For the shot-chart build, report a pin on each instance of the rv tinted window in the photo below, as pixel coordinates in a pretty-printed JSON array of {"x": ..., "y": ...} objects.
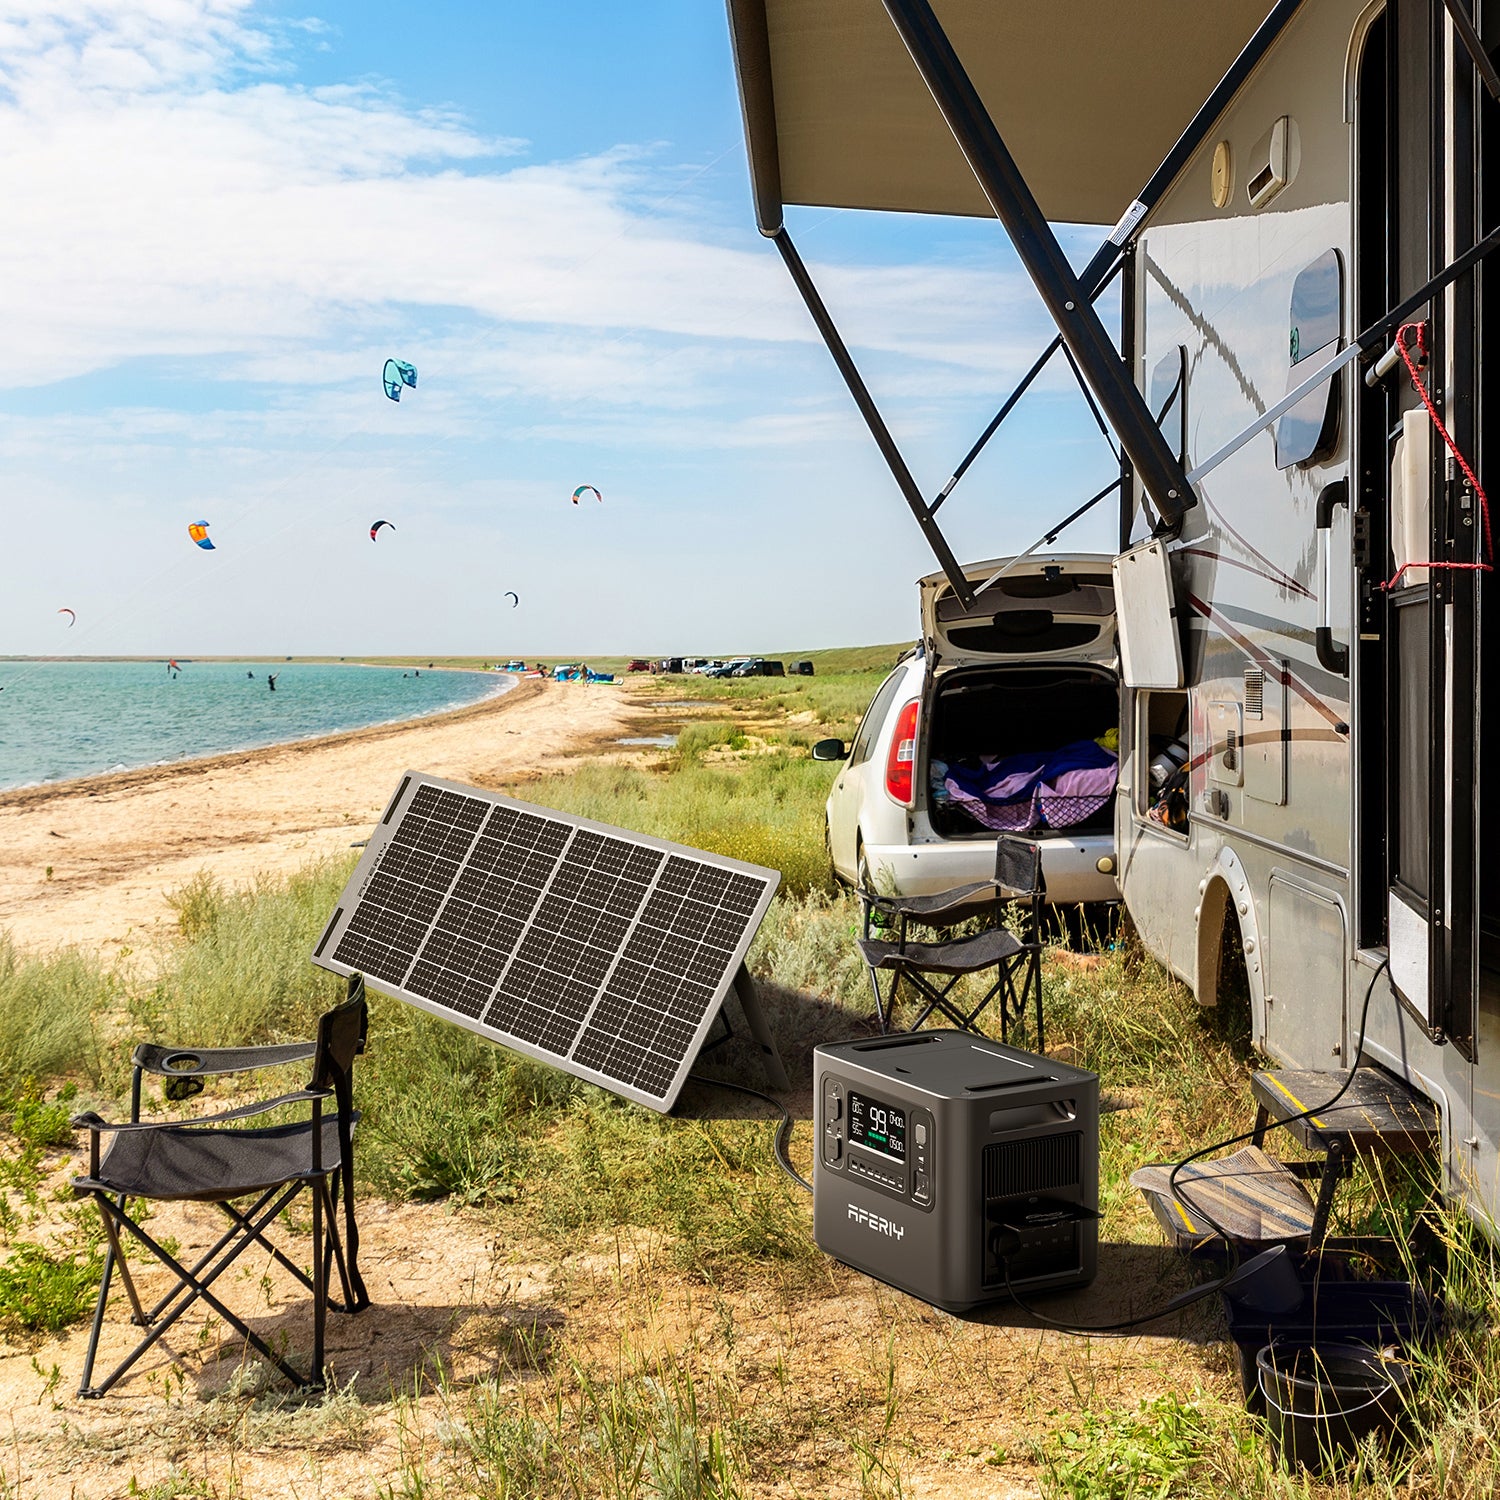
[
  {"x": 1169, "y": 400},
  {"x": 1317, "y": 312},
  {"x": 1309, "y": 432}
]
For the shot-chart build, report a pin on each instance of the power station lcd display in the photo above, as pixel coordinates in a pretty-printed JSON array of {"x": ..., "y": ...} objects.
[
  {"x": 876, "y": 1126},
  {"x": 603, "y": 952}
]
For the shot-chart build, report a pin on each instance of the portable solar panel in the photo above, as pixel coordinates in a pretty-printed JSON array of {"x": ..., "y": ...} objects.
[{"x": 603, "y": 952}]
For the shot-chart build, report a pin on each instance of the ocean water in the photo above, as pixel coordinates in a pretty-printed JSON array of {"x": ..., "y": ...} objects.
[{"x": 62, "y": 719}]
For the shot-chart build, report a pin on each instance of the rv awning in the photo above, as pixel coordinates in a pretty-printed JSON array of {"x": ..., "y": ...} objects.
[{"x": 1090, "y": 95}]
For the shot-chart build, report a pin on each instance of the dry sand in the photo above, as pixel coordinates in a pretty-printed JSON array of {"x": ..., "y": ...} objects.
[{"x": 89, "y": 862}]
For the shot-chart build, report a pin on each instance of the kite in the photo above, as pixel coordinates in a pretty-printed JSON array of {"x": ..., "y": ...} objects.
[
  {"x": 198, "y": 530},
  {"x": 396, "y": 374},
  {"x": 581, "y": 488},
  {"x": 376, "y": 527},
  {"x": 516, "y": 597},
  {"x": 72, "y": 618}
]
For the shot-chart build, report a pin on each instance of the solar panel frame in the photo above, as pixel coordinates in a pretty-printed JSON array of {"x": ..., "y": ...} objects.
[{"x": 539, "y": 929}]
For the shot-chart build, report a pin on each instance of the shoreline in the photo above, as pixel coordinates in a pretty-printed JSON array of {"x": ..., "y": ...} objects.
[
  {"x": 89, "y": 862},
  {"x": 508, "y": 682}
]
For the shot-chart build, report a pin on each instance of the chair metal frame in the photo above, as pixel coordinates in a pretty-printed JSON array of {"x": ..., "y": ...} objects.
[
  {"x": 1018, "y": 882},
  {"x": 184, "y": 1070}
]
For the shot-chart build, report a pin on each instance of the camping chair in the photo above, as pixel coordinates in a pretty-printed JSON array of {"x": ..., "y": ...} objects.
[
  {"x": 1016, "y": 890},
  {"x": 196, "y": 1160}
]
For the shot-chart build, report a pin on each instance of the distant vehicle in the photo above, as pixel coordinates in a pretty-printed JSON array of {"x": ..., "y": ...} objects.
[
  {"x": 1025, "y": 679},
  {"x": 725, "y": 668},
  {"x": 758, "y": 666},
  {"x": 670, "y": 664},
  {"x": 801, "y": 669},
  {"x": 638, "y": 664},
  {"x": 709, "y": 667}
]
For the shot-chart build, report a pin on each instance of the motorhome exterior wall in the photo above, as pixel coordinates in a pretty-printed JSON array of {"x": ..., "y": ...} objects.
[
  {"x": 1217, "y": 282},
  {"x": 1273, "y": 852}
]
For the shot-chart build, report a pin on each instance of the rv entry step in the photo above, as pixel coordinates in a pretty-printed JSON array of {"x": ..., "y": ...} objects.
[{"x": 1250, "y": 1197}]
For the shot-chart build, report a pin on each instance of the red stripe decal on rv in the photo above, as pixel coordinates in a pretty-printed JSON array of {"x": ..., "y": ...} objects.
[
  {"x": 1284, "y": 579},
  {"x": 1274, "y": 576},
  {"x": 1268, "y": 664}
]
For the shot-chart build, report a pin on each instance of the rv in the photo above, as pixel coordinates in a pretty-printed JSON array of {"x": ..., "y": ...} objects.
[{"x": 1305, "y": 200}]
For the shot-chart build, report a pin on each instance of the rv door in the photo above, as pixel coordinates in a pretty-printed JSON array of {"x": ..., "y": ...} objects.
[{"x": 1417, "y": 694}]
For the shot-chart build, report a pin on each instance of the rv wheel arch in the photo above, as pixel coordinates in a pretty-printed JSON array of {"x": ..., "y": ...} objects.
[{"x": 1229, "y": 939}]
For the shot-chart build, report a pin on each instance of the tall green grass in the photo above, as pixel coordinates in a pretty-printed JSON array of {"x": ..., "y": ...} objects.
[{"x": 53, "y": 1010}]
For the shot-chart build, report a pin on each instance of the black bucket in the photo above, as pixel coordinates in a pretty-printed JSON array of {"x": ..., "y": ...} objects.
[{"x": 1325, "y": 1399}]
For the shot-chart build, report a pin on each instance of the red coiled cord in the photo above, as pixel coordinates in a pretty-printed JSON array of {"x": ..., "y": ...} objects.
[{"x": 1414, "y": 370}]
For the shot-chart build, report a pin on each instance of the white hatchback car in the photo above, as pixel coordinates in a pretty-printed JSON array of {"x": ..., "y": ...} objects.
[{"x": 1004, "y": 717}]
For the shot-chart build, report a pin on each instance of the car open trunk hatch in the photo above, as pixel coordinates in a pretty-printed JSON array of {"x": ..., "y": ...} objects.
[{"x": 1055, "y": 608}]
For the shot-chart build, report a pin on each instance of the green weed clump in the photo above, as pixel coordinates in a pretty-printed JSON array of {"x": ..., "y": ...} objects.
[
  {"x": 51, "y": 1010},
  {"x": 44, "y": 1291}
]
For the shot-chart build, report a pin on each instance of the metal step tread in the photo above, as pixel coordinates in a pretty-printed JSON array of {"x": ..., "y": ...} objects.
[
  {"x": 1253, "y": 1198},
  {"x": 1380, "y": 1113}
]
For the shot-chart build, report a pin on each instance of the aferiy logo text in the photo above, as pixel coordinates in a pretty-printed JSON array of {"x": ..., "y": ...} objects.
[{"x": 876, "y": 1222}]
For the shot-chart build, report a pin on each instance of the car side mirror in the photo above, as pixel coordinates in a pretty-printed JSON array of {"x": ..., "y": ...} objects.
[{"x": 830, "y": 750}]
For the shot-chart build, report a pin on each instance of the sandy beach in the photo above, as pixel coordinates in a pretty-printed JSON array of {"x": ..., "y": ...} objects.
[{"x": 89, "y": 862}]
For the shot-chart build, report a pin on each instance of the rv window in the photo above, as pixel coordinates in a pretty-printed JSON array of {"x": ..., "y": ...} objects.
[
  {"x": 1309, "y": 432},
  {"x": 1169, "y": 400}
]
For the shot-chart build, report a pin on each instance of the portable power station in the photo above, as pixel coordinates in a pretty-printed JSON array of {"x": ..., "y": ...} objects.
[{"x": 946, "y": 1162}]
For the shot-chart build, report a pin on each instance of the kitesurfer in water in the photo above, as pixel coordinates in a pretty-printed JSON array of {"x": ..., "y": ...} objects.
[{"x": 271, "y": 680}]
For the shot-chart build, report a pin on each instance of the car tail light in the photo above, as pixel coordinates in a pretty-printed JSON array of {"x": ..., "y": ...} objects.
[{"x": 901, "y": 763}]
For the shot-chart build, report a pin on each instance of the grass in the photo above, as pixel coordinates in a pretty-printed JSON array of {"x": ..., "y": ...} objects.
[{"x": 749, "y": 1383}]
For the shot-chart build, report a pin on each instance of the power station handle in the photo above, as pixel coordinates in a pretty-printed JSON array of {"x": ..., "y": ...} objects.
[{"x": 1331, "y": 656}]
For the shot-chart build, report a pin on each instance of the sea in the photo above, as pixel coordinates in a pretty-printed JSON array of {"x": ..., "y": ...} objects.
[{"x": 60, "y": 719}]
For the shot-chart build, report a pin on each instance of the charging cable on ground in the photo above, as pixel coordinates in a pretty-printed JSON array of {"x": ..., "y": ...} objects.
[
  {"x": 782, "y": 1143},
  {"x": 1268, "y": 1263}
]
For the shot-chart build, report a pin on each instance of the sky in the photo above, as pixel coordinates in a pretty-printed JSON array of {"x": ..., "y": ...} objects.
[{"x": 221, "y": 217}]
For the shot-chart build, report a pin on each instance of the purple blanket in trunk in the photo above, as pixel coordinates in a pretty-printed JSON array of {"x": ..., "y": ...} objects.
[{"x": 1036, "y": 789}]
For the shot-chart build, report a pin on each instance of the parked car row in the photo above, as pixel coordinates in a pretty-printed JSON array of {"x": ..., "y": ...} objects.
[{"x": 738, "y": 666}]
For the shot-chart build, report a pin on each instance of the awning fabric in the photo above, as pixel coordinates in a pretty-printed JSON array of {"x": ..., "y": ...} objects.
[{"x": 1089, "y": 95}]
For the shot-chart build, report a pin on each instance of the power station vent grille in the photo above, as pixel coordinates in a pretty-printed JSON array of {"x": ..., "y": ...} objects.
[
  {"x": 1255, "y": 692},
  {"x": 1014, "y": 1169}
]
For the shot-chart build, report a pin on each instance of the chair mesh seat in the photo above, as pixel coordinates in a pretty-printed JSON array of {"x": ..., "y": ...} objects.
[
  {"x": 211, "y": 1166},
  {"x": 960, "y": 956}
]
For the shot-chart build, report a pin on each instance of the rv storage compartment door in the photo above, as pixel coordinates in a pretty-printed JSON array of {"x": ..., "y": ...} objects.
[{"x": 1146, "y": 607}]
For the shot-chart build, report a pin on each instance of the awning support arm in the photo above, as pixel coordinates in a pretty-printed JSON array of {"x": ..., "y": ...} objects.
[
  {"x": 873, "y": 420},
  {"x": 1061, "y": 290},
  {"x": 1047, "y": 539},
  {"x": 1022, "y": 386}
]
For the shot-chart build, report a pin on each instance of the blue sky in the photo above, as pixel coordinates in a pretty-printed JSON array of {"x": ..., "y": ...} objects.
[{"x": 222, "y": 217}]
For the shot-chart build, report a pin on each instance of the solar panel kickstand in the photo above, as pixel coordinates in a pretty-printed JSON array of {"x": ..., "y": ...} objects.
[{"x": 755, "y": 1018}]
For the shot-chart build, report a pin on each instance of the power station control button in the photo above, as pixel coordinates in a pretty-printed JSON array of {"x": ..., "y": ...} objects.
[
  {"x": 920, "y": 1132},
  {"x": 921, "y": 1187},
  {"x": 835, "y": 1106},
  {"x": 833, "y": 1148}
]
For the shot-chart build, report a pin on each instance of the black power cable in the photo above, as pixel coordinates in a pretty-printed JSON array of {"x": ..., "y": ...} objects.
[
  {"x": 1185, "y": 1299},
  {"x": 783, "y": 1130}
]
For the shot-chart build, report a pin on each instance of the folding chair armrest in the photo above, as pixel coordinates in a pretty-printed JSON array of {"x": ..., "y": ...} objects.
[
  {"x": 95, "y": 1123},
  {"x": 939, "y": 904},
  {"x": 200, "y": 1062}
]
